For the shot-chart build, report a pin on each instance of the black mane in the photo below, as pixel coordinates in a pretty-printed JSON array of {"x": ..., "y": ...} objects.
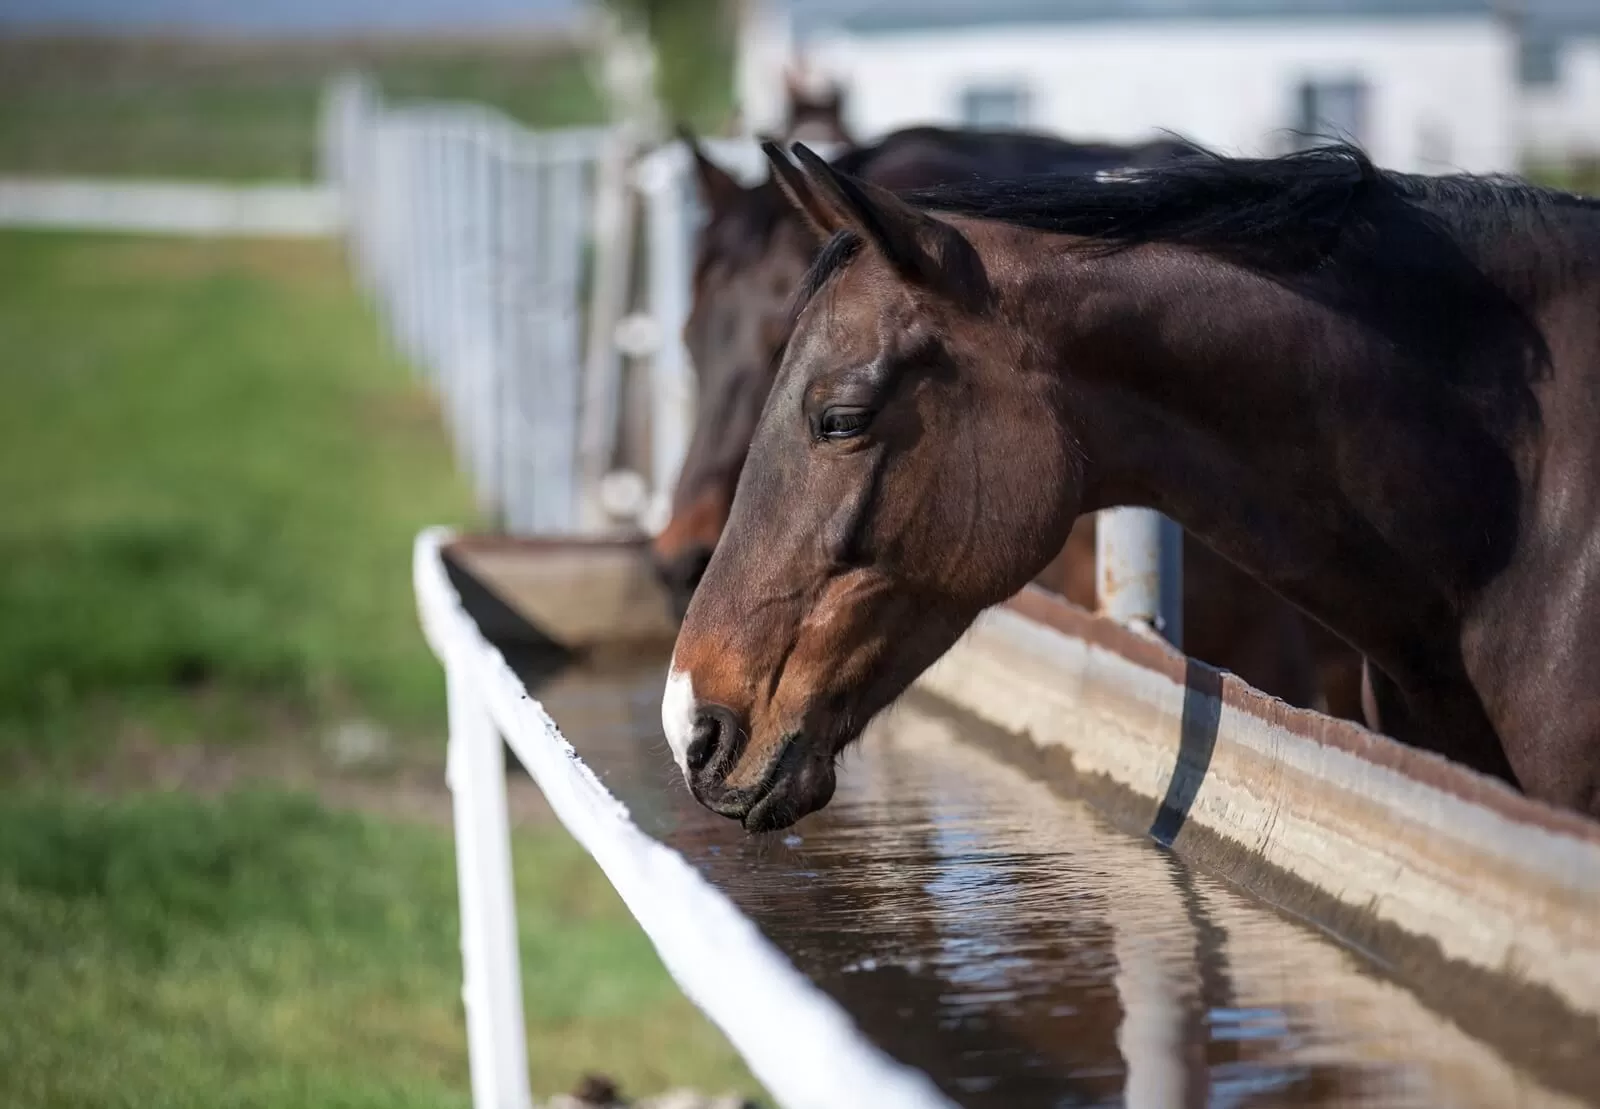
[
  {"x": 743, "y": 231},
  {"x": 1230, "y": 204},
  {"x": 834, "y": 256},
  {"x": 1273, "y": 212}
]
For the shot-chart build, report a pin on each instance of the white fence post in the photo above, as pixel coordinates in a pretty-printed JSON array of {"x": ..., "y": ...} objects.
[
  {"x": 346, "y": 157},
  {"x": 1139, "y": 570},
  {"x": 800, "y": 1043},
  {"x": 469, "y": 232},
  {"x": 492, "y": 967},
  {"x": 483, "y": 367},
  {"x": 672, "y": 388},
  {"x": 452, "y": 232},
  {"x": 614, "y": 228},
  {"x": 514, "y": 290},
  {"x": 558, "y": 370}
]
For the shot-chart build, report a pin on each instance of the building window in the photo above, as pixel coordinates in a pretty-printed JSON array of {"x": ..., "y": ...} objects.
[
  {"x": 994, "y": 106},
  {"x": 1539, "y": 61},
  {"x": 1331, "y": 110}
]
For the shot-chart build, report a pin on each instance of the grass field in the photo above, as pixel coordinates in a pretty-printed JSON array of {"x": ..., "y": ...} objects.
[
  {"x": 1581, "y": 177},
  {"x": 212, "y": 473},
  {"x": 264, "y": 951},
  {"x": 247, "y": 110}
]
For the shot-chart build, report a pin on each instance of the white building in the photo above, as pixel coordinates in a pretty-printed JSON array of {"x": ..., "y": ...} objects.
[
  {"x": 1423, "y": 85},
  {"x": 1561, "y": 80}
]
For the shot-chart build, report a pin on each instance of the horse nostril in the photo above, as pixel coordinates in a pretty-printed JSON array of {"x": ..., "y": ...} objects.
[{"x": 714, "y": 729}]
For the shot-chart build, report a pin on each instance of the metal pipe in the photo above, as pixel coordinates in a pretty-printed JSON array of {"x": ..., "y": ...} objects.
[{"x": 1139, "y": 571}]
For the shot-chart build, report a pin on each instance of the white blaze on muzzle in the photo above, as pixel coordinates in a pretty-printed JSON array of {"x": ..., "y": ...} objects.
[{"x": 677, "y": 715}]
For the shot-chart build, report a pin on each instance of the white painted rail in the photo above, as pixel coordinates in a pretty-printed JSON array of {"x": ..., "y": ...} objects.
[
  {"x": 170, "y": 207},
  {"x": 801, "y": 1045}
]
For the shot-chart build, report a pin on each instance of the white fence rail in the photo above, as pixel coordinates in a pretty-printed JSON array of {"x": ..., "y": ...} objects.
[
  {"x": 803, "y": 1047},
  {"x": 471, "y": 234},
  {"x": 169, "y": 207},
  {"x": 499, "y": 258}
]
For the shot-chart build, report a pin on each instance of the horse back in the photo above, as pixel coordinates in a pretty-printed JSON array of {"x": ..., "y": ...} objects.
[{"x": 926, "y": 157}]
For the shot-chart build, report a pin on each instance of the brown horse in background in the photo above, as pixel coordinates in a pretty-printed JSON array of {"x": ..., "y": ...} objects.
[
  {"x": 749, "y": 259},
  {"x": 814, "y": 115},
  {"x": 1375, "y": 391}
]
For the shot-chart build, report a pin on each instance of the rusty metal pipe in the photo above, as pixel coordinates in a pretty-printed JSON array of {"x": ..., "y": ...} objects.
[{"x": 1138, "y": 571}]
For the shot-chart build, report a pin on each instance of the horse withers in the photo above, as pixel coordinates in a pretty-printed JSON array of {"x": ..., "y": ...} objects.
[
  {"x": 1374, "y": 391},
  {"x": 750, "y": 256}
]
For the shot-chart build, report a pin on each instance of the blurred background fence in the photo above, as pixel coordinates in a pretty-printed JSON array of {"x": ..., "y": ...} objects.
[
  {"x": 475, "y": 235},
  {"x": 540, "y": 280}
]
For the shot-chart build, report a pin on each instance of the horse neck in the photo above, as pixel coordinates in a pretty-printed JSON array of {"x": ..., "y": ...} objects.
[{"x": 1267, "y": 423}]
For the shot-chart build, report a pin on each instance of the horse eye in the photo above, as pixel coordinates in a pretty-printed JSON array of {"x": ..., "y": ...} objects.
[{"x": 843, "y": 423}]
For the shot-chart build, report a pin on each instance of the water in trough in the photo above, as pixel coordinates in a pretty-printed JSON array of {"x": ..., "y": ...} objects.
[{"x": 1021, "y": 951}]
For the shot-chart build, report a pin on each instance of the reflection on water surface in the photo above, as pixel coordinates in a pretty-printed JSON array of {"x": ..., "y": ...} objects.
[{"x": 1025, "y": 954}]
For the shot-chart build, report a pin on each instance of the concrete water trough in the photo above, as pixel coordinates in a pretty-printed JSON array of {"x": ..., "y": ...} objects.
[{"x": 1071, "y": 867}]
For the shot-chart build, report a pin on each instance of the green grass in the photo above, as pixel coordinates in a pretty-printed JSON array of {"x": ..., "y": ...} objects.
[
  {"x": 144, "y": 106},
  {"x": 267, "y": 952},
  {"x": 694, "y": 46},
  {"x": 1579, "y": 177},
  {"x": 212, "y": 475}
]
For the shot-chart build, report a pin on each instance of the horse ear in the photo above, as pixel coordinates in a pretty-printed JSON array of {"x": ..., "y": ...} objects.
[
  {"x": 718, "y": 188},
  {"x": 818, "y": 214},
  {"x": 795, "y": 98},
  {"x": 922, "y": 250},
  {"x": 833, "y": 104}
]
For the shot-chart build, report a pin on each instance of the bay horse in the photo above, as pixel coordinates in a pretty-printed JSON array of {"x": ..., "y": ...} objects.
[
  {"x": 1377, "y": 393},
  {"x": 750, "y": 256},
  {"x": 812, "y": 114}
]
